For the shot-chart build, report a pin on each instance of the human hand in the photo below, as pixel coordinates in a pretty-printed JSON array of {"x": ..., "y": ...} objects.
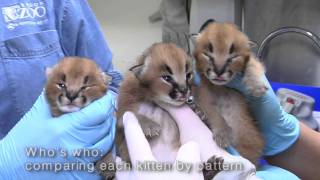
[
  {"x": 280, "y": 129},
  {"x": 140, "y": 151},
  {"x": 191, "y": 128},
  {"x": 91, "y": 129}
]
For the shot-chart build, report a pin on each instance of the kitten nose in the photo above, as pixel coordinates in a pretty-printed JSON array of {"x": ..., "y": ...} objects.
[
  {"x": 70, "y": 96},
  {"x": 218, "y": 72},
  {"x": 183, "y": 90}
]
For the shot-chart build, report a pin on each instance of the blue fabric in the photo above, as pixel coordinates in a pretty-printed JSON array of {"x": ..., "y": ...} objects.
[{"x": 35, "y": 34}]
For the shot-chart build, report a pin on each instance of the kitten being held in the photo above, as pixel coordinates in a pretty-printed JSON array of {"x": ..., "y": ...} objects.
[
  {"x": 162, "y": 74},
  {"x": 74, "y": 83},
  {"x": 221, "y": 52}
]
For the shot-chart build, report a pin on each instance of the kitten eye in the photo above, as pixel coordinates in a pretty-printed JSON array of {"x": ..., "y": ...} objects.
[
  {"x": 231, "y": 49},
  {"x": 189, "y": 76},
  {"x": 210, "y": 47},
  {"x": 61, "y": 85},
  {"x": 229, "y": 60},
  {"x": 167, "y": 78}
]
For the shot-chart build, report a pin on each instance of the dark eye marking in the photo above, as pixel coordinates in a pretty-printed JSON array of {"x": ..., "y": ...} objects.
[
  {"x": 231, "y": 50},
  {"x": 210, "y": 47},
  {"x": 168, "y": 69},
  {"x": 187, "y": 67},
  {"x": 83, "y": 88},
  {"x": 208, "y": 57},
  {"x": 63, "y": 77},
  {"x": 231, "y": 59},
  {"x": 84, "y": 99},
  {"x": 86, "y": 79}
]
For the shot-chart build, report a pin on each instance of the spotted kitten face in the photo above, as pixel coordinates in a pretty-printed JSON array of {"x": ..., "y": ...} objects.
[
  {"x": 73, "y": 84},
  {"x": 221, "y": 51},
  {"x": 167, "y": 72}
]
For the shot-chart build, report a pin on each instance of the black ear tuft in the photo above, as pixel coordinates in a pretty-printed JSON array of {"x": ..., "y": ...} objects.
[
  {"x": 209, "y": 21},
  {"x": 137, "y": 69}
]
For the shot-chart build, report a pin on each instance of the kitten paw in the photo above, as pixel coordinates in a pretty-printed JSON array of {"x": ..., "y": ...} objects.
[
  {"x": 108, "y": 174},
  {"x": 212, "y": 167},
  {"x": 255, "y": 88},
  {"x": 151, "y": 129},
  {"x": 259, "y": 90},
  {"x": 110, "y": 177}
]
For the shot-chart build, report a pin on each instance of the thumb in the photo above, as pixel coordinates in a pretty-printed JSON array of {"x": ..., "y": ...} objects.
[
  {"x": 189, "y": 153},
  {"x": 138, "y": 146},
  {"x": 189, "y": 156}
]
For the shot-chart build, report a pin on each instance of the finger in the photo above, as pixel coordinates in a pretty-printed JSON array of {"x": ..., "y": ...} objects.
[
  {"x": 96, "y": 112},
  {"x": 138, "y": 146},
  {"x": 106, "y": 143},
  {"x": 85, "y": 134},
  {"x": 189, "y": 153}
]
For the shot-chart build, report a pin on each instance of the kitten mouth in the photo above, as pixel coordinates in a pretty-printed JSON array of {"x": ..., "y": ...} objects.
[
  {"x": 220, "y": 79},
  {"x": 69, "y": 108},
  {"x": 183, "y": 98}
]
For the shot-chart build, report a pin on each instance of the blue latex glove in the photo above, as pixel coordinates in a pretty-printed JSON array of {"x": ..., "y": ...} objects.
[
  {"x": 280, "y": 129},
  {"x": 275, "y": 173},
  {"x": 92, "y": 128}
]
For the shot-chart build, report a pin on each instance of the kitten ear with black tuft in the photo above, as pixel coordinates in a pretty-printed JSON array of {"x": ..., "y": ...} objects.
[
  {"x": 194, "y": 37},
  {"x": 137, "y": 70},
  {"x": 209, "y": 21},
  {"x": 143, "y": 60}
]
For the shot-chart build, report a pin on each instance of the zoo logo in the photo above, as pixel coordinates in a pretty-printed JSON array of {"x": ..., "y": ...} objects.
[{"x": 23, "y": 12}]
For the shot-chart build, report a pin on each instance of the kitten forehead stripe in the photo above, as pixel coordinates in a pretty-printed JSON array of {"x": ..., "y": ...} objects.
[
  {"x": 63, "y": 77},
  {"x": 168, "y": 69}
]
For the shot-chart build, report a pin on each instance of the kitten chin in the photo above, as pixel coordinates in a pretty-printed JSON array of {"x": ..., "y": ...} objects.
[{"x": 74, "y": 83}]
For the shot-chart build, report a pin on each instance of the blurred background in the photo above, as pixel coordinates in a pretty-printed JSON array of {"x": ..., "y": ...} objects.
[{"x": 126, "y": 27}]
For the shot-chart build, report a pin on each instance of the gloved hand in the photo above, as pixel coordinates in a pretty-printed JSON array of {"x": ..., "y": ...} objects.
[
  {"x": 188, "y": 153},
  {"x": 191, "y": 128},
  {"x": 90, "y": 129},
  {"x": 280, "y": 129}
]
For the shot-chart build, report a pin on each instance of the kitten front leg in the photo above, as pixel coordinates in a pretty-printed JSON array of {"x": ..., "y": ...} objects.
[
  {"x": 222, "y": 136},
  {"x": 253, "y": 78},
  {"x": 221, "y": 131}
]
